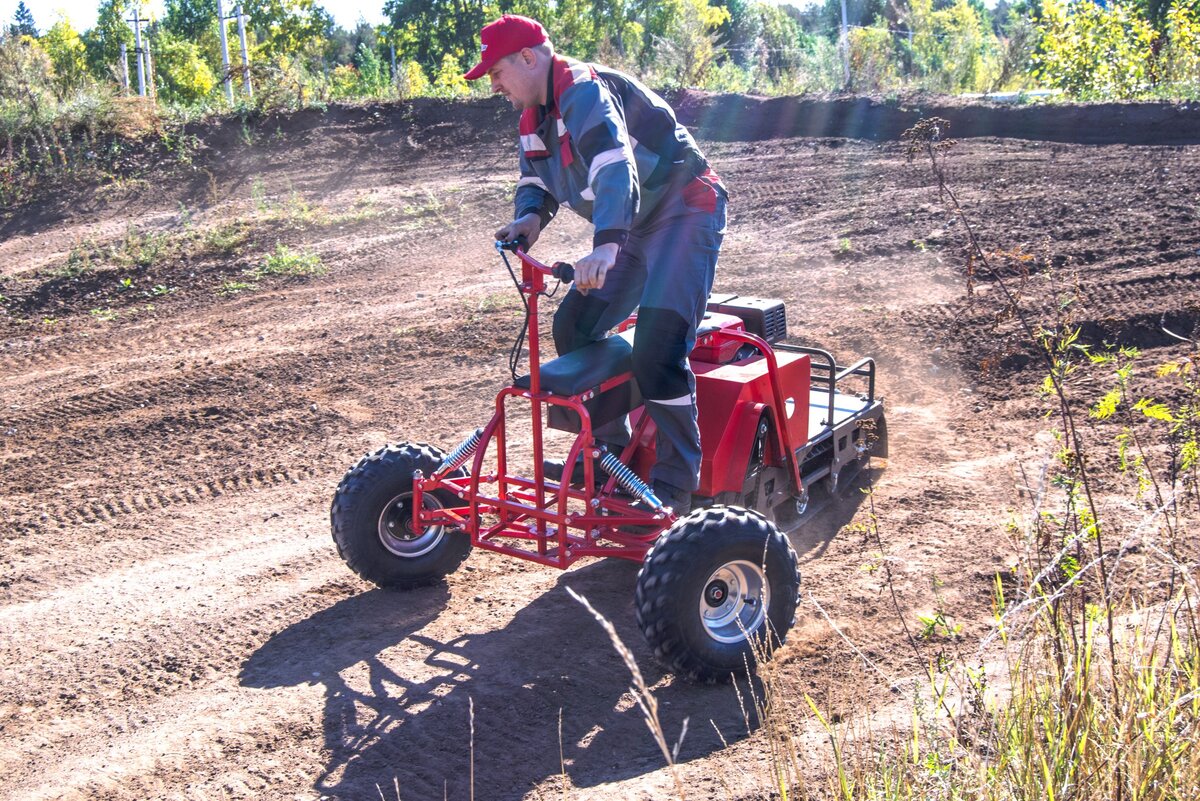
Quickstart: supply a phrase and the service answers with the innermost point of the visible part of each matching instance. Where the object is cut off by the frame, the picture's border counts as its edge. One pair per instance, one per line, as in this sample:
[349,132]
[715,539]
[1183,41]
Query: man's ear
[528,57]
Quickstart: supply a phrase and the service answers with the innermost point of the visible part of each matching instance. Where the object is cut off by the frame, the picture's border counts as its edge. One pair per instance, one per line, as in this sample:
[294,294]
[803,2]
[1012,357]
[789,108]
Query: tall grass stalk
[641,694]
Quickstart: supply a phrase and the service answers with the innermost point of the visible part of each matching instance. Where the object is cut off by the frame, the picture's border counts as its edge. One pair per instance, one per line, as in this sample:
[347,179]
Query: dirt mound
[179,395]
[742,118]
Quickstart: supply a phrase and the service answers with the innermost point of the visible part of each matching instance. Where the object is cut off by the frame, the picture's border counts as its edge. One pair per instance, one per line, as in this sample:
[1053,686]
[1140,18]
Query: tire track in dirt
[182,587]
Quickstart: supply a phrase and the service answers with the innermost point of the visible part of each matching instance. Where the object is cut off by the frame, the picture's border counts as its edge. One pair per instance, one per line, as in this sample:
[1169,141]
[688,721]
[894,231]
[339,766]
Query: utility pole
[241,20]
[845,48]
[137,39]
[225,79]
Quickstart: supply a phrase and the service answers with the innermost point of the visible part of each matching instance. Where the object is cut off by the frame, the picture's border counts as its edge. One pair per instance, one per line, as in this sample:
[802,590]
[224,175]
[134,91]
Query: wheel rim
[396,531]
[734,601]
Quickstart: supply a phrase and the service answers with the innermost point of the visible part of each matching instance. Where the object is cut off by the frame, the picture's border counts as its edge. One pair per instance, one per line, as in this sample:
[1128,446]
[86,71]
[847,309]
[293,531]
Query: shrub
[1094,52]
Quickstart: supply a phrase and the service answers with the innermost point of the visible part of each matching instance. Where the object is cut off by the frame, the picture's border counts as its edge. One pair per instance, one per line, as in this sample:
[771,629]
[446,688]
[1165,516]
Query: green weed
[287,262]
[235,287]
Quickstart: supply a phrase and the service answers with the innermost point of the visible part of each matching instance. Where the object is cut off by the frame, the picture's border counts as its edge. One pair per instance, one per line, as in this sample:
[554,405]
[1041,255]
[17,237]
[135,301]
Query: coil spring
[460,454]
[629,481]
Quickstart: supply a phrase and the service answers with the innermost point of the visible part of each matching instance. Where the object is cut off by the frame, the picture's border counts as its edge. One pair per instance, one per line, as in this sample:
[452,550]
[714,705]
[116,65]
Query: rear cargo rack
[826,373]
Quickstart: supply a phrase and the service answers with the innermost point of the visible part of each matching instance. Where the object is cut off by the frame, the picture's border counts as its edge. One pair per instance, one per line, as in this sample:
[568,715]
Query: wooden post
[137,39]
[225,78]
[845,48]
[150,88]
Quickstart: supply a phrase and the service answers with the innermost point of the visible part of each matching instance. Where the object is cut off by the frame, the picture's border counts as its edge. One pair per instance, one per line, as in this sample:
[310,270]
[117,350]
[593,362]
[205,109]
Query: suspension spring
[460,454]
[629,481]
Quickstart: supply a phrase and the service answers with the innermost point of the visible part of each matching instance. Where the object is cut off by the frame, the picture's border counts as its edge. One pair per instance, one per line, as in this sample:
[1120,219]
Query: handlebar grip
[563,272]
[523,243]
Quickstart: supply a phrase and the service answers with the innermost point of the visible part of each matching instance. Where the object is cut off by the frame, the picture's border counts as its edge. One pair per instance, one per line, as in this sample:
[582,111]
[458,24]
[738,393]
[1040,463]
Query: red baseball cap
[507,35]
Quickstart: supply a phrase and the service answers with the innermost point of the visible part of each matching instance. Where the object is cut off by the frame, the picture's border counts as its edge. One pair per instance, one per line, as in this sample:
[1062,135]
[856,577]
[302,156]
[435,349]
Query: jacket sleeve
[532,196]
[601,138]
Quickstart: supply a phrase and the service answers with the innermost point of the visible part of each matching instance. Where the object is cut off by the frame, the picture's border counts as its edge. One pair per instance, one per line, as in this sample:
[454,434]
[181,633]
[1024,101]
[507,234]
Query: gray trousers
[665,271]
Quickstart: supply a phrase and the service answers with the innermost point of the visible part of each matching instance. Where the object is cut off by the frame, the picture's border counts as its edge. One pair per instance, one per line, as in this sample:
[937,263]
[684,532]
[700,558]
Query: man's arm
[603,141]
[533,204]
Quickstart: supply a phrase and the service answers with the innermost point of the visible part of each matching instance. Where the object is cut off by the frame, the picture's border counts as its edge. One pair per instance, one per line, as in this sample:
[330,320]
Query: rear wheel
[372,520]
[716,585]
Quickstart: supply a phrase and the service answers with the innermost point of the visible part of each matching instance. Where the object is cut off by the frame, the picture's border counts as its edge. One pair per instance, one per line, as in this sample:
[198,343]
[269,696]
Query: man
[612,150]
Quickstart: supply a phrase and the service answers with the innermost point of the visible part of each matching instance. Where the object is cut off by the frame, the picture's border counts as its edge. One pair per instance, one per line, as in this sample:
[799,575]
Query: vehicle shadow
[399,702]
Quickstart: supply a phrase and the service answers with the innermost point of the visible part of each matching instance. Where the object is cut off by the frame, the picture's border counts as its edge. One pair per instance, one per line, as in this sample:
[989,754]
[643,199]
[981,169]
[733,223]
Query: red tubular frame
[534,512]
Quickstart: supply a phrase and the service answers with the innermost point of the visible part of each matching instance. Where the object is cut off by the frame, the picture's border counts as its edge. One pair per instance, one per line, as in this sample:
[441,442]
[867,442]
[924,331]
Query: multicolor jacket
[604,145]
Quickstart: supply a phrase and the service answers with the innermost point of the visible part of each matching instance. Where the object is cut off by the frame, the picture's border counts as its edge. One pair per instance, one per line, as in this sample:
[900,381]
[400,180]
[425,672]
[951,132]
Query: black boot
[554,469]
[680,500]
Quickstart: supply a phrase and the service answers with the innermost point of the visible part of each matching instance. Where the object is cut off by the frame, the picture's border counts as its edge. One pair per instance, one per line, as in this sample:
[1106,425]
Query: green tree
[952,49]
[740,33]
[411,80]
[68,57]
[859,13]
[1178,62]
[183,74]
[23,24]
[429,30]
[190,19]
[1094,52]
[103,41]
[292,28]
[449,81]
[783,44]
[372,74]
[689,49]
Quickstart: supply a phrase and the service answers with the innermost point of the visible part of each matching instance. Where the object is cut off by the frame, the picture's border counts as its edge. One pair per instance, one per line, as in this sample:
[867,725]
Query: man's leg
[582,319]
[681,256]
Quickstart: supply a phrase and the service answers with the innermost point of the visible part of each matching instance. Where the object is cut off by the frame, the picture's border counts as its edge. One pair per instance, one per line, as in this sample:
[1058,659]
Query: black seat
[586,368]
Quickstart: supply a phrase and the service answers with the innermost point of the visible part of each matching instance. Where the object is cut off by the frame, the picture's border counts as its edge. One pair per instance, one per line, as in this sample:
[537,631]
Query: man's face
[514,77]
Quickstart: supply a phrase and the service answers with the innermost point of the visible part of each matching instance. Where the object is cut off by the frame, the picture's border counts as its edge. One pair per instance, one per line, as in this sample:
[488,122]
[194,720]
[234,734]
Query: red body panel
[730,399]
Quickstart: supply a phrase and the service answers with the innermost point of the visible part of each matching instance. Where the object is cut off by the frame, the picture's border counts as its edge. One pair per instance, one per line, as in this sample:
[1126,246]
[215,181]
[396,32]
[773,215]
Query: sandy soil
[175,622]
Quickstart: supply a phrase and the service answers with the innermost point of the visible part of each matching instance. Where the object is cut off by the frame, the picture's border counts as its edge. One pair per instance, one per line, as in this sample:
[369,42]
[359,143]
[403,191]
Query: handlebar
[520,246]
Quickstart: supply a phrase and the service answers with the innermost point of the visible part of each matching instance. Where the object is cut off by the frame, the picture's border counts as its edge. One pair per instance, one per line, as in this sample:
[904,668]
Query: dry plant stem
[641,692]
[1065,409]
[562,759]
[471,706]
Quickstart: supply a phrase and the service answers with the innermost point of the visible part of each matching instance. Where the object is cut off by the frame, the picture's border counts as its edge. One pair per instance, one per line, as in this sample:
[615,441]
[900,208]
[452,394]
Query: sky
[82,13]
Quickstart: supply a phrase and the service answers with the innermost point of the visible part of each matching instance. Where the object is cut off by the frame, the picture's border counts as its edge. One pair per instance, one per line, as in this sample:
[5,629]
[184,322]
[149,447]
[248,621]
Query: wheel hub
[716,593]
[396,531]
[735,601]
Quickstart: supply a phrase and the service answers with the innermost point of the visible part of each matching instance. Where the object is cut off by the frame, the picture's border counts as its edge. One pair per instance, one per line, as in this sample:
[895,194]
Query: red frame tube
[526,513]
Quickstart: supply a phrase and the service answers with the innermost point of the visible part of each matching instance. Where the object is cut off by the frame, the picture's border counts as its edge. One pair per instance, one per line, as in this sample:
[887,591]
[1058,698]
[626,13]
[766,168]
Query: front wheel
[718,585]
[372,520]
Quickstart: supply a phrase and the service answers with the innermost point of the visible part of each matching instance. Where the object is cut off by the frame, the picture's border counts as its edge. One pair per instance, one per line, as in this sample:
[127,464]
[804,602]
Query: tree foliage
[68,57]
[183,74]
[23,24]
[103,42]
[1091,51]
[1128,48]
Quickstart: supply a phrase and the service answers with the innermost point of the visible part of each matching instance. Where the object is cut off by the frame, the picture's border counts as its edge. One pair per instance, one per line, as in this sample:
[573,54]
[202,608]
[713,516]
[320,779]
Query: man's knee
[660,354]
[576,320]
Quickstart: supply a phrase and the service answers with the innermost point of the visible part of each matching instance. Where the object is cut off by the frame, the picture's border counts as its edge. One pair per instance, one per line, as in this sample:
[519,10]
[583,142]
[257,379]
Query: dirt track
[175,621]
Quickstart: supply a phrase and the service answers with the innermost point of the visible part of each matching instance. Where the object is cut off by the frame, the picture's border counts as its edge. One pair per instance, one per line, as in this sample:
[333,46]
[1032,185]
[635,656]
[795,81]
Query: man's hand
[591,269]
[529,226]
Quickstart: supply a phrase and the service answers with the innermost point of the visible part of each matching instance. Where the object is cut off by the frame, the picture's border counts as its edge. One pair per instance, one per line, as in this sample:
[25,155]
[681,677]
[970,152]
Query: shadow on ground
[381,724]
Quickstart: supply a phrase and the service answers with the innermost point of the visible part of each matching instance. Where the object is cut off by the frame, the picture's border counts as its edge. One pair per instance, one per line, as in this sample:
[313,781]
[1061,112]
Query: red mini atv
[772,420]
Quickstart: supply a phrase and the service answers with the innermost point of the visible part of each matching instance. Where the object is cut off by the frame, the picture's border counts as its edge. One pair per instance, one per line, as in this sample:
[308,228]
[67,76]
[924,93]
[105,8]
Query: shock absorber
[629,481]
[459,455]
